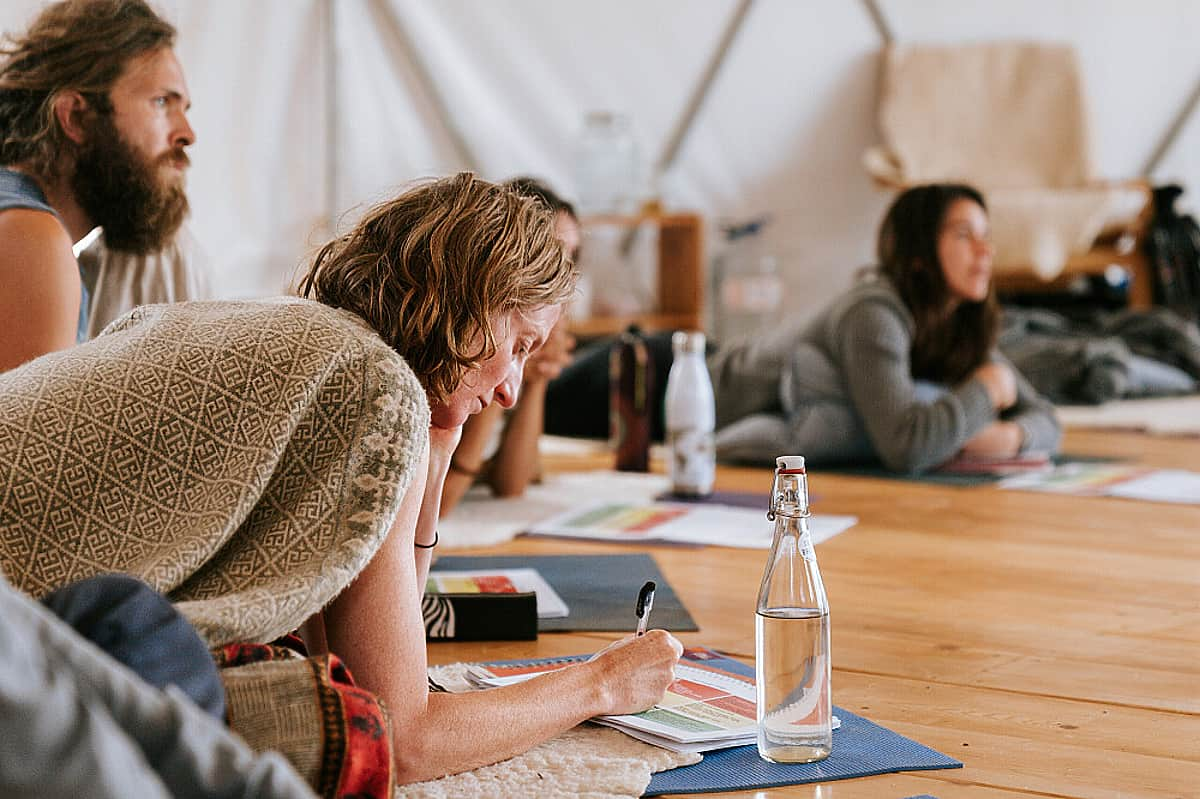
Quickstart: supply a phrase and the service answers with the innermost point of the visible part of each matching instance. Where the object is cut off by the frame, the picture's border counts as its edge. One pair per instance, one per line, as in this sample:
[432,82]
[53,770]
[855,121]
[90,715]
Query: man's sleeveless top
[21,191]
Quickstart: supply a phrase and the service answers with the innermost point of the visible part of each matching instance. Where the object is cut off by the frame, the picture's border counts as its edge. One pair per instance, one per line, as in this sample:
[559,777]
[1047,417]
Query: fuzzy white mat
[587,761]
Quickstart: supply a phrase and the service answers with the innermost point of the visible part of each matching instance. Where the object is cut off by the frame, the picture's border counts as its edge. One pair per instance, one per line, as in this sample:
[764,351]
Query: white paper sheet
[677,523]
[549,604]
[1164,485]
[481,520]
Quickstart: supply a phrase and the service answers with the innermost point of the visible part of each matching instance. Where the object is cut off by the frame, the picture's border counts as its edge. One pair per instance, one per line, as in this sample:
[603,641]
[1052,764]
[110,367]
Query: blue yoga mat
[861,748]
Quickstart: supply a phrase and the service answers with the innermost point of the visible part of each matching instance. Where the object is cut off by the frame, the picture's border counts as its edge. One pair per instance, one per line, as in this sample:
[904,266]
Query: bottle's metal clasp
[790,496]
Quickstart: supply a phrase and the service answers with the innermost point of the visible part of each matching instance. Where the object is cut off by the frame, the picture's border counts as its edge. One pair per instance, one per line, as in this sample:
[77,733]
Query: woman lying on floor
[902,368]
[277,464]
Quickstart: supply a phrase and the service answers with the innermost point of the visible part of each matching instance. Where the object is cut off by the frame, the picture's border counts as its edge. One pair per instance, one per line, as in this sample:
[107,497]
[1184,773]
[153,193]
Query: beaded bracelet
[428,546]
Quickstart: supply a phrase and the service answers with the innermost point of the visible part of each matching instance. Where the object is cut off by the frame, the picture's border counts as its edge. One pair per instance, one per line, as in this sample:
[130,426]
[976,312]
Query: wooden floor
[1051,643]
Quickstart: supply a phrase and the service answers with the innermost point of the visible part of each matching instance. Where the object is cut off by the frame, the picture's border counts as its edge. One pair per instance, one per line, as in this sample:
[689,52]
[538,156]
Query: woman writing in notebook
[306,488]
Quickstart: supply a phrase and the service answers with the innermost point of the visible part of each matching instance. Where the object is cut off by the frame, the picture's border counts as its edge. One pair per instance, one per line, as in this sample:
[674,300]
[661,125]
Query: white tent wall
[290,138]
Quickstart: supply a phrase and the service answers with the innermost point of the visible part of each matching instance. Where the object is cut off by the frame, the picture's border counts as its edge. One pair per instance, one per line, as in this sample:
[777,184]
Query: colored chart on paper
[499,581]
[677,523]
[627,519]
[1114,480]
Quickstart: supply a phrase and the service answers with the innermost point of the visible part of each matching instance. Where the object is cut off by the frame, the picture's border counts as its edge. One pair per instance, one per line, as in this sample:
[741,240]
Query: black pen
[644,603]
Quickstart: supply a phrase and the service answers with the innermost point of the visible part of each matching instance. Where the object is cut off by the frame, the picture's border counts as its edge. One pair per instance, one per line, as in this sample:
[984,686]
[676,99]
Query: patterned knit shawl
[245,458]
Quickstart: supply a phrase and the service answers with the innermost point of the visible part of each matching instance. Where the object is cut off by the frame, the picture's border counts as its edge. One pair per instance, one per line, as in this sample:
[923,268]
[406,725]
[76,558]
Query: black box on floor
[480,617]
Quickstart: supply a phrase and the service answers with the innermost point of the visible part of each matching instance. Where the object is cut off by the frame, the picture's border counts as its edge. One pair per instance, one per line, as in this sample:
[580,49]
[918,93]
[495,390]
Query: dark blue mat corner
[861,748]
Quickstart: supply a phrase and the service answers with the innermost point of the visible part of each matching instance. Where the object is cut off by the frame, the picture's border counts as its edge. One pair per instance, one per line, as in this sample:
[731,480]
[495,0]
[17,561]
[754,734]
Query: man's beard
[123,193]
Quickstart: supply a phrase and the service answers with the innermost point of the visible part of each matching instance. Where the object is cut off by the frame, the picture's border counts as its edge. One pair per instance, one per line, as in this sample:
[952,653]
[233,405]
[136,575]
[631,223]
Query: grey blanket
[1105,357]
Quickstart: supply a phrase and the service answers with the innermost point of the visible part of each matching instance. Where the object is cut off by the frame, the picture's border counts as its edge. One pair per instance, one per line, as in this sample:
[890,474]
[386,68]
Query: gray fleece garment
[75,723]
[837,387]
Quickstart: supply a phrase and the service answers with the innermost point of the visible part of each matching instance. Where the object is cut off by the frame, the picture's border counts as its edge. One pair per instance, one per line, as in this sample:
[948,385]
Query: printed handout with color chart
[500,581]
[707,707]
[678,523]
[1128,481]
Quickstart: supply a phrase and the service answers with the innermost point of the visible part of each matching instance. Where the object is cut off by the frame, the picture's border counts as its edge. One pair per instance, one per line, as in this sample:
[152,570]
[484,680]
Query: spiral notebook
[706,707]
[861,748]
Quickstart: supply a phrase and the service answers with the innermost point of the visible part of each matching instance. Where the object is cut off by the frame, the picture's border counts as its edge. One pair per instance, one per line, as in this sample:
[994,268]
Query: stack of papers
[500,581]
[707,707]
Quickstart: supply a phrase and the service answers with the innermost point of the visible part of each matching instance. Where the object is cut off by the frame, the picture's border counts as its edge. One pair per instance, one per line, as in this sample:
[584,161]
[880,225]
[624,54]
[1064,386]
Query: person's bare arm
[376,627]
[517,463]
[468,456]
[39,287]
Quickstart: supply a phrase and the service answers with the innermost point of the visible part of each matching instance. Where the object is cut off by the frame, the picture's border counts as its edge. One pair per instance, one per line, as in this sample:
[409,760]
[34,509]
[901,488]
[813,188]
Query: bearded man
[93,131]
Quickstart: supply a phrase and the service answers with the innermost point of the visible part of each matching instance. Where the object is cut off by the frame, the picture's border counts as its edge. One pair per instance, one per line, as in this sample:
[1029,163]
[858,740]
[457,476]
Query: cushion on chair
[1009,118]
[1003,115]
[1042,227]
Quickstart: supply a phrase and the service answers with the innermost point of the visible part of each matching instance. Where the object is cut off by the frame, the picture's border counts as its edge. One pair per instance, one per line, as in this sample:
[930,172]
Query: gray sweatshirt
[75,723]
[838,385]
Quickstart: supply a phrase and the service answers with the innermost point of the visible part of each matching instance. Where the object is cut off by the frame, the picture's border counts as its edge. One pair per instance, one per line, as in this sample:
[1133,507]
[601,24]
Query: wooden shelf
[597,326]
[1095,262]
[685,219]
[680,275]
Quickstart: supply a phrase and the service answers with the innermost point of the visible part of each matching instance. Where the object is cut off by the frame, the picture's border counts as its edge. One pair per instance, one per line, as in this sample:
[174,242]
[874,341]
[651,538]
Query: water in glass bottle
[795,711]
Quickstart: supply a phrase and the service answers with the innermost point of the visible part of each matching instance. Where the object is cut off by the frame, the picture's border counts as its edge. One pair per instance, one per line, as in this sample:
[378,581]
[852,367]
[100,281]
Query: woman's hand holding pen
[633,673]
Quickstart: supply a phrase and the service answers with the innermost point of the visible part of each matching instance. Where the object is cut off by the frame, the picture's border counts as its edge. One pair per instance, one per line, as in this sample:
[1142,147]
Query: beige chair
[1010,119]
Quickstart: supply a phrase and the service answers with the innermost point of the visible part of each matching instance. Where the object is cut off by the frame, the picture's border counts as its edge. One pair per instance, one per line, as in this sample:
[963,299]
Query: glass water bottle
[792,632]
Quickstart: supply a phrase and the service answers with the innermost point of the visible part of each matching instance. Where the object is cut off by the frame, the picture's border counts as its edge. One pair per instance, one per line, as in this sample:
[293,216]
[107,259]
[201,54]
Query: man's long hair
[76,45]
[946,348]
[432,269]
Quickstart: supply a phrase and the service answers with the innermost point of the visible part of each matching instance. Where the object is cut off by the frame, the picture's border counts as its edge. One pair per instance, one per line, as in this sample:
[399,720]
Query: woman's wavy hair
[432,269]
[946,347]
[76,45]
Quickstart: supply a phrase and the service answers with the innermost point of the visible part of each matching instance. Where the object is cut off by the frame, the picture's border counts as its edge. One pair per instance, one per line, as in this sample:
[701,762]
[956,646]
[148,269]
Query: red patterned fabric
[355,745]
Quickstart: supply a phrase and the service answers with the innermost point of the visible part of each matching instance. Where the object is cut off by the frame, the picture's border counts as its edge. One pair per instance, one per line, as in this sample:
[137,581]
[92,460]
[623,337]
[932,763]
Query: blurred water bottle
[631,390]
[791,653]
[747,289]
[690,418]
[606,165]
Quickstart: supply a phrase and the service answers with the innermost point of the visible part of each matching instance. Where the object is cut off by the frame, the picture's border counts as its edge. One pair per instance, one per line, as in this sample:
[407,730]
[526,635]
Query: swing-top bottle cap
[790,463]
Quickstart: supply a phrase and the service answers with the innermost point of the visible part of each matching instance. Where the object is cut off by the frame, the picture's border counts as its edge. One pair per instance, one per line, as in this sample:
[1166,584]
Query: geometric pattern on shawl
[245,458]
